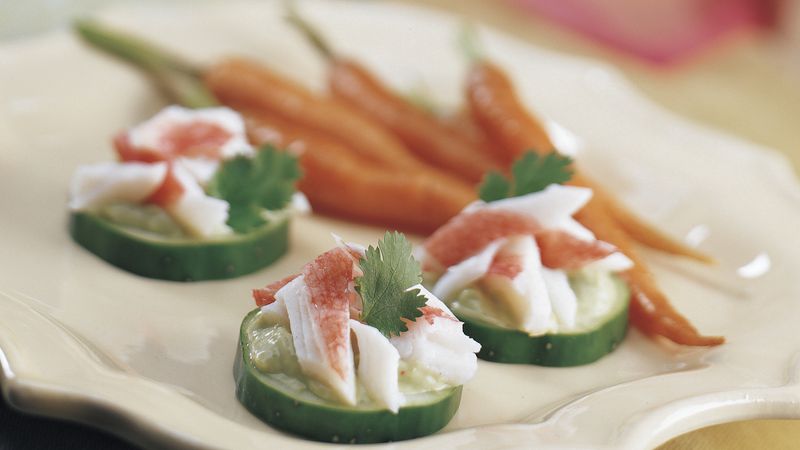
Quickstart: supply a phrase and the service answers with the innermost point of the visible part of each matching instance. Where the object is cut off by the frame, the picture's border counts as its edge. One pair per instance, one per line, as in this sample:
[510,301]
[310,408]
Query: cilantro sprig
[531,173]
[250,185]
[389,271]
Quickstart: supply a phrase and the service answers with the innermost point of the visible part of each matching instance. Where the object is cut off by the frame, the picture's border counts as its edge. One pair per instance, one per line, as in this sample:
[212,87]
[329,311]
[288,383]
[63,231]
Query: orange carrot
[650,310]
[353,167]
[463,124]
[635,227]
[497,109]
[354,85]
[340,183]
[245,82]
[422,133]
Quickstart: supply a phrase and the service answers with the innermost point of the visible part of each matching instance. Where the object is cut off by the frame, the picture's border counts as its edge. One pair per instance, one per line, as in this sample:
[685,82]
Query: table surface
[748,86]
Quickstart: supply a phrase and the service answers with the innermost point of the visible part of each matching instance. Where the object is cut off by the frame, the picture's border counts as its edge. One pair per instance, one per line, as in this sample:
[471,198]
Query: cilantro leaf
[533,173]
[265,181]
[389,270]
[494,187]
[244,218]
[530,173]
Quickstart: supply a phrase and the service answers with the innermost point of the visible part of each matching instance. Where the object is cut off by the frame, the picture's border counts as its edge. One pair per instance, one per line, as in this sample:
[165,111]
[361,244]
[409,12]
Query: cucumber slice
[597,333]
[285,403]
[180,259]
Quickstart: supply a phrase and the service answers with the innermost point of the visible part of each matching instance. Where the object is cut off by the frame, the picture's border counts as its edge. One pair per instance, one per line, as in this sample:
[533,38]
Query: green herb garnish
[250,185]
[389,270]
[531,173]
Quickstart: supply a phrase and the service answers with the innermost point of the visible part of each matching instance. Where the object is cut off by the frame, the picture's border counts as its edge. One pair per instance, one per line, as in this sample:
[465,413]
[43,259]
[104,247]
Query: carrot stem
[311,34]
[468,42]
[179,79]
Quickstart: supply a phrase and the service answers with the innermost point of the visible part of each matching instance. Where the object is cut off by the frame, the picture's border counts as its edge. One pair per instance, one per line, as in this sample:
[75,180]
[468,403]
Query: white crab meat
[321,337]
[200,214]
[94,186]
[515,280]
[552,207]
[149,133]
[466,272]
[615,262]
[276,313]
[201,169]
[352,247]
[378,362]
[563,300]
[436,342]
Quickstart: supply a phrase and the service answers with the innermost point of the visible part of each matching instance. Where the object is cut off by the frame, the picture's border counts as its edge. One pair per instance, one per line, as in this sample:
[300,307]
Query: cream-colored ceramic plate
[151,360]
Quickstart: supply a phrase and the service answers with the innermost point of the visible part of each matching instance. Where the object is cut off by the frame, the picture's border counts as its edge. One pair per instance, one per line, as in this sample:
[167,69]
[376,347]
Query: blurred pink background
[658,31]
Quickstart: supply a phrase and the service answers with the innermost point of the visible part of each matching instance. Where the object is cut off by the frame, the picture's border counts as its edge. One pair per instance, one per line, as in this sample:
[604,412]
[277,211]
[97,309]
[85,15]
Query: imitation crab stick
[340,183]
[500,113]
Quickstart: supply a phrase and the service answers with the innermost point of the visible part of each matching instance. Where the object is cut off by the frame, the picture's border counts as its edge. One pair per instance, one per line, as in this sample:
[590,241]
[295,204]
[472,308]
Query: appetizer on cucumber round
[189,199]
[354,349]
[531,284]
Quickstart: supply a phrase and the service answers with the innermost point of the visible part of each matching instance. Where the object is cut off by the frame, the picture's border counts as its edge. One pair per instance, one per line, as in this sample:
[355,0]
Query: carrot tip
[707,341]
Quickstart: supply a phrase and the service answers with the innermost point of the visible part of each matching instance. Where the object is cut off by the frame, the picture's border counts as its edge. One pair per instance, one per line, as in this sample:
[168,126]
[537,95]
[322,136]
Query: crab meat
[436,342]
[378,362]
[209,133]
[468,271]
[200,214]
[552,207]
[94,186]
[318,305]
[514,280]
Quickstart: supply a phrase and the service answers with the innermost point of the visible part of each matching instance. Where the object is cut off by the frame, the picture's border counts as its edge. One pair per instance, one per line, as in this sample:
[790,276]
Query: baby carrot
[340,183]
[636,228]
[248,83]
[497,109]
[422,133]
[463,124]
[650,310]
[353,167]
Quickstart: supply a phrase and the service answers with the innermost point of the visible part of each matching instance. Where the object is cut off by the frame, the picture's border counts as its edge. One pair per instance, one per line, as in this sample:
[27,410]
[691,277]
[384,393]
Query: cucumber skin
[503,345]
[181,260]
[332,423]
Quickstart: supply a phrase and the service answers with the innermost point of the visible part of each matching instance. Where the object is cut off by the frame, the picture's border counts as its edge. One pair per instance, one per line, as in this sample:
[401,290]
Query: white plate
[151,360]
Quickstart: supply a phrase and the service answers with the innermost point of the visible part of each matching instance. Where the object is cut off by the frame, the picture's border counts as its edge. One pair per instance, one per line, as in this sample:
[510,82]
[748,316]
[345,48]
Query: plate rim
[29,395]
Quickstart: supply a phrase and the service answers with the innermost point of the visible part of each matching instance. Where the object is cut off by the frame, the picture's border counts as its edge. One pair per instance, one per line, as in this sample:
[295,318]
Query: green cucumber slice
[596,335]
[277,400]
[180,259]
